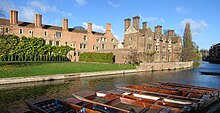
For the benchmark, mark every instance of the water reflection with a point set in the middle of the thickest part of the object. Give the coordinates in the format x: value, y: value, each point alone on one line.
x: 65, y: 88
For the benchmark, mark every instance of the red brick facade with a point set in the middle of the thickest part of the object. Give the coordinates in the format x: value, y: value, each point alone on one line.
x: 80, y: 39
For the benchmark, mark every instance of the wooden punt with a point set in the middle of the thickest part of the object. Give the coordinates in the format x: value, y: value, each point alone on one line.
x: 124, y: 103
x: 89, y: 99
x: 165, y: 91
x: 193, y: 102
x: 188, y: 88
x: 143, y: 102
x: 50, y: 105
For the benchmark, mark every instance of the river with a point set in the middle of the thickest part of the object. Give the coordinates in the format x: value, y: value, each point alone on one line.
x: 12, y: 97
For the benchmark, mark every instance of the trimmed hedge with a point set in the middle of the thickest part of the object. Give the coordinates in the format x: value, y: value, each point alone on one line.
x: 96, y: 57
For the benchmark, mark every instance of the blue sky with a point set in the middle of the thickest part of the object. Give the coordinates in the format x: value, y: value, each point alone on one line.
x: 171, y: 14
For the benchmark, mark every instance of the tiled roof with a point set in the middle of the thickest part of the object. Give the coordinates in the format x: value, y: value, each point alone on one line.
x: 32, y: 25
x: 4, y: 21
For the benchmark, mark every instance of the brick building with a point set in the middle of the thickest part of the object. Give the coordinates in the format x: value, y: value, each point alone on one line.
x: 77, y: 37
x: 167, y: 47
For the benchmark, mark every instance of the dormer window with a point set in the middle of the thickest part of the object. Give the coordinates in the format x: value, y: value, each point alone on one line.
x: 58, y: 34
x: 20, y: 31
x: 31, y: 32
x: 85, y: 39
x: 45, y: 33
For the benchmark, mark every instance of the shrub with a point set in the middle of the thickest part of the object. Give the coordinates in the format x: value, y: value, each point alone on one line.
x: 96, y: 57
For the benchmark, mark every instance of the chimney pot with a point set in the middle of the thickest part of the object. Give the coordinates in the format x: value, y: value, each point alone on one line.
x: 13, y: 17
x: 38, y: 20
x: 89, y: 30
x: 136, y: 22
x: 144, y: 25
x: 108, y: 27
x: 127, y: 23
x: 65, y: 24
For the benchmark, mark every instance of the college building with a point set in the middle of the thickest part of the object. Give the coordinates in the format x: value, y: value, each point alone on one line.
x: 83, y: 40
x: 166, y: 46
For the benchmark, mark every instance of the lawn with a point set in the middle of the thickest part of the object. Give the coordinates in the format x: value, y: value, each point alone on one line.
x: 35, y: 69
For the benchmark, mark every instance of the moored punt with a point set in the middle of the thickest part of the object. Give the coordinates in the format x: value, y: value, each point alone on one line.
x: 49, y: 105
x: 123, y: 103
x: 111, y: 104
x: 175, y: 93
x: 150, y: 104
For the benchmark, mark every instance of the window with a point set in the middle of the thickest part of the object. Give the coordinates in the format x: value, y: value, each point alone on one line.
x: 93, y: 47
x: 130, y: 38
x: 57, y: 43
x: 113, y: 40
x: 20, y: 31
x: 58, y: 34
x: 97, y: 40
x: 103, y: 46
x: 97, y: 48
x: 7, y: 30
x: 31, y: 32
x: 50, y: 42
x: 149, y: 46
x: 85, y: 38
x: 164, y: 48
x: 66, y: 43
x: 83, y: 46
x: 45, y: 33
x: 114, y: 46
x: 157, y: 48
x: 102, y: 39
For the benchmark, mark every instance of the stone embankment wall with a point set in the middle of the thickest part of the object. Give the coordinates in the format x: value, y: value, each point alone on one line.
x: 164, y: 66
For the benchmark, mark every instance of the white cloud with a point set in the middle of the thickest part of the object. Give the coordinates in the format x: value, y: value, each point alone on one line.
x: 49, y: 8
x: 81, y: 2
x: 152, y: 19
x: 182, y: 10
x: 195, y: 26
x: 113, y: 4
x: 95, y: 27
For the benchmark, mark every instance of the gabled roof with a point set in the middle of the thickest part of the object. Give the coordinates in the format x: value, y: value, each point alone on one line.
x: 131, y: 29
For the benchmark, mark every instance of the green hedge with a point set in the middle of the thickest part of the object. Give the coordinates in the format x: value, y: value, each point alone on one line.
x: 96, y: 57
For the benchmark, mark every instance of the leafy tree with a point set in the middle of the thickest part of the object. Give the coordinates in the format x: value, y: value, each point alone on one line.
x: 190, y: 50
x: 13, y: 48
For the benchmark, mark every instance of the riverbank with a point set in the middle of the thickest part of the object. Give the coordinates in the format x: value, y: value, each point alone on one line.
x: 142, y: 68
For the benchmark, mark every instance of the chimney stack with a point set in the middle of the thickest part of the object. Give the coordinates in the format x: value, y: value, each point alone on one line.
x: 136, y: 22
x: 144, y: 25
x: 170, y: 32
x: 158, y: 29
x: 65, y: 24
x: 38, y: 20
x: 127, y: 23
x: 13, y: 17
x: 108, y: 27
x: 89, y: 30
